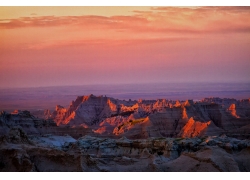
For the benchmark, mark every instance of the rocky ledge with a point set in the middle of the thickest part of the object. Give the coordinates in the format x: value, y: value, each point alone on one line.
x: 19, y: 152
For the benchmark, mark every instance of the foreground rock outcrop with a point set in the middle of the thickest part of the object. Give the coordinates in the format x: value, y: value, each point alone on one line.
x: 93, y: 154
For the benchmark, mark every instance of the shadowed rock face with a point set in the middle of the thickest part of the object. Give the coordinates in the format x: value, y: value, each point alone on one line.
x: 37, y: 126
x: 29, y: 123
x: 63, y: 153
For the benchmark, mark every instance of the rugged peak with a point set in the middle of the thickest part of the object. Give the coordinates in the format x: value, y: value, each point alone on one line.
x: 16, y: 111
x: 59, y: 107
x: 177, y: 103
x: 91, y: 96
x: 188, y: 103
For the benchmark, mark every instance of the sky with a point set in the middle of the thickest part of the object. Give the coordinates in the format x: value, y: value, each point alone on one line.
x: 57, y: 46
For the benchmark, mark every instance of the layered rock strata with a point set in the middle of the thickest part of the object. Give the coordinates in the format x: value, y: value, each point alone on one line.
x: 19, y: 152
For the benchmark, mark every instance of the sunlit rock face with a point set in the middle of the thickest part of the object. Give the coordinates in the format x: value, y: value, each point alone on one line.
x: 232, y: 110
x: 86, y: 109
x: 155, y: 118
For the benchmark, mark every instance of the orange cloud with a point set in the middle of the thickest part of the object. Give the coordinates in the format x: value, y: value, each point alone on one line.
x: 162, y: 19
x: 159, y: 24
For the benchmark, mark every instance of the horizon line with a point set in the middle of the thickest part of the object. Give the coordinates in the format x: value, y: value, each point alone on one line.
x: 132, y: 83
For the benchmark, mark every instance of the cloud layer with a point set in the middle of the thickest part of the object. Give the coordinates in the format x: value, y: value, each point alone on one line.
x: 169, y: 43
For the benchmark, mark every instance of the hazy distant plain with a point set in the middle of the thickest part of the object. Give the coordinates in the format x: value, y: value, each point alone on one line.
x: 48, y: 97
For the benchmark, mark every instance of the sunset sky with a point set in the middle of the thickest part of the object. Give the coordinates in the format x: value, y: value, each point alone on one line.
x: 50, y: 46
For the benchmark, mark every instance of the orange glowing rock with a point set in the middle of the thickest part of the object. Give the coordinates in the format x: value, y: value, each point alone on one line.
x: 124, y: 127
x: 111, y: 105
x: 232, y: 110
x: 100, y: 130
x: 177, y: 104
x: 184, y: 114
x: 194, y: 128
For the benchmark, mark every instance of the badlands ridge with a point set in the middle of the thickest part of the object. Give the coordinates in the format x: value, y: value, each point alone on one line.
x: 99, y: 133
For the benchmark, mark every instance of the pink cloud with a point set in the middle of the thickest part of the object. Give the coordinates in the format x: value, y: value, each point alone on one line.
x: 161, y: 19
x: 165, y: 43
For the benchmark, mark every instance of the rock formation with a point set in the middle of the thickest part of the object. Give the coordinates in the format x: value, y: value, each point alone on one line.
x: 109, y: 117
x: 26, y: 120
x: 63, y: 153
x: 37, y: 126
x: 107, y: 134
x: 155, y: 118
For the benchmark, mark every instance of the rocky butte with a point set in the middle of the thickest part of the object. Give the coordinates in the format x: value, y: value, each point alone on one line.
x: 99, y: 133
